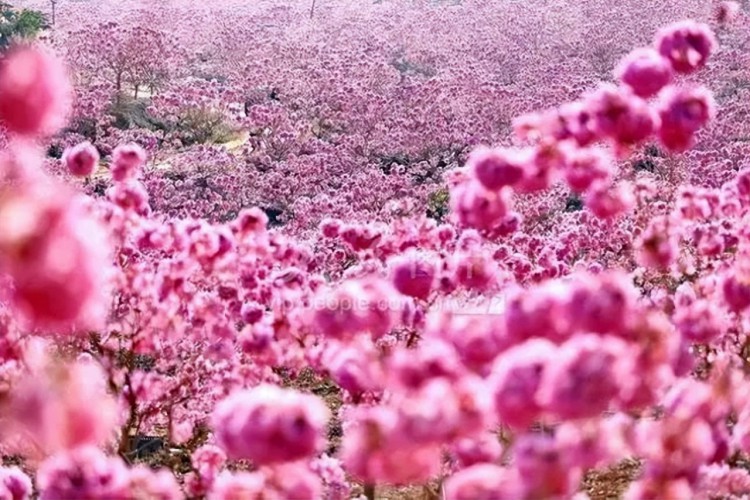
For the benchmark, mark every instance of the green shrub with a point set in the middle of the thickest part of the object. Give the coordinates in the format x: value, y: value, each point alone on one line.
x: 438, y: 204
x: 573, y: 203
x: 133, y: 113
x: 203, y: 125
x: 19, y: 24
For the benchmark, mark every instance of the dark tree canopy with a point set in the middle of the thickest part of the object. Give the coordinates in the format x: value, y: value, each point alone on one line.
x: 19, y: 24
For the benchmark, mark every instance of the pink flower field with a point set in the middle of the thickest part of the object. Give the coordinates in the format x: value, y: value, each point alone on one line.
x: 374, y: 249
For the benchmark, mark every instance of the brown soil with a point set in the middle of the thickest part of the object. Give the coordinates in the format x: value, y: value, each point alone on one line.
x: 611, y: 483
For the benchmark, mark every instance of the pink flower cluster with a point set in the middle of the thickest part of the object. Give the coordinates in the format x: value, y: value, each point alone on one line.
x: 617, y: 115
x: 402, y: 306
x: 268, y: 424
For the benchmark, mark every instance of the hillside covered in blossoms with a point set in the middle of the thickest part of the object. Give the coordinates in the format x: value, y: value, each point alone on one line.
x: 374, y: 249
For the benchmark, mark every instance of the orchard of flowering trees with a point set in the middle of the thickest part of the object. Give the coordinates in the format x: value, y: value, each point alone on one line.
x: 401, y: 249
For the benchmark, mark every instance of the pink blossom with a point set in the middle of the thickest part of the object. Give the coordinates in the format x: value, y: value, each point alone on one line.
x: 208, y: 461
x: 57, y: 255
x: 584, y: 443
x: 294, y: 480
x: 464, y: 408
x: 355, y: 368
x: 516, y: 380
x: 736, y: 293
x: 34, y: 92
x: 544, y: 161
x: 430, y: 359
x: 475, y: 271
x: 130, y: 196
x: 676, y: 489
x: 330, y: 227
x: 478, y: 207
x: 82, y: 160
x: 585, y: 377
x: 579, y: 122
x: 476, y: 450
x: 427, y: 319
x: 678, y: 446
x: 62, y: 407
x: 354, y: 307
x: 686, y: 44
x: 476, y: 338
x: 251, y: 312
x: 544, y: 467
x: 83, y: 473
x: 609, y: 201
x: 153, y: 484
x: 374, y: 451
x: 699, y: 322
x: 727, y: 11
x: 602, y: 304
x: 14, y: 484
x: 621, y: 116
x: 584, y: 167
x: 127, y: 161
x: 527, y: 315
x: 495, y: 168
x: 721, y: 479
x: 268, y: 424
x: 658, y: 245
x: 645, y: 71
x: 251, y: 220
x: 683, y: 111
x: 413, y: 275
x: 333, y: 477
x: 485, y: 482
x: 230, y: 486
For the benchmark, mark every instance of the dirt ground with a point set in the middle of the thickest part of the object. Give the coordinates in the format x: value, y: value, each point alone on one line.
x: 610, y: 483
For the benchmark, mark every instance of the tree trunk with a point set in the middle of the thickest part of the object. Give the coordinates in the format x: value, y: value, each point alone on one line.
x: 118, y: 87
x: 369, y: 491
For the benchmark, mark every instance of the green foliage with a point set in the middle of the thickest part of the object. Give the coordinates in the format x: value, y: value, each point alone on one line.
x: 55, y: 151
x: 133, y: 113
x: 30, y: 22
x: 645, y: 165
x: 653, y: 150
x: 648, y: 162
x: 203, y: 125
x: 388, y: 161
x: 438, y: 204
x: 408, y: 67
x: 85, y: 127
x: 274, y: 215
x: 21, y: 24
x: 573, y: 203
x: 195, y: 125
